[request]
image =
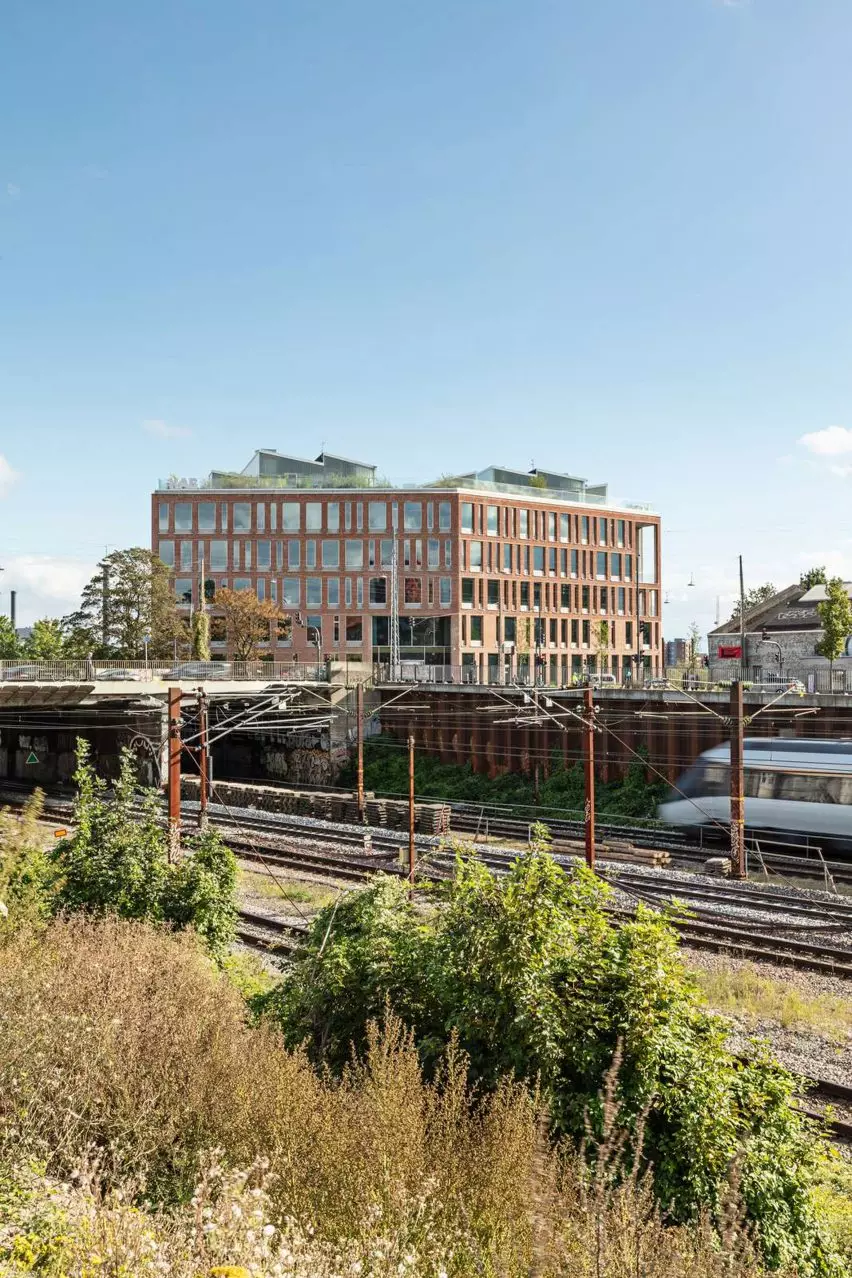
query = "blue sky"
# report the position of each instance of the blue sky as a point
(612, 237)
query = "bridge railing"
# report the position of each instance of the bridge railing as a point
(93, 671)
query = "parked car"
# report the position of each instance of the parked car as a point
(777, 684)
(199, 670)
(19, 674)
(122, 676)
(658, 683)
(601, 681)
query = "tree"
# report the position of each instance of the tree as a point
(247, 621)
(10, 644)
(129, 597)
(47, 641)
(600, 643)
(692, 644)
(835, 615)
(813, 577)
(754, 598)
(201, 636)
(535, 980)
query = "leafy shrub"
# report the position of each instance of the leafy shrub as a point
(539, 983)
(126, 1057)
(118, 861)
(24, 867)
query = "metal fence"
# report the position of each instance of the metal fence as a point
(91, 671)
(756, 680)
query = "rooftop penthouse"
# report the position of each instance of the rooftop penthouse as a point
(269, 469)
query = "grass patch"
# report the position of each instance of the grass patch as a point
(261, 884)
(742, 991)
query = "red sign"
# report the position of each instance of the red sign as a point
(730, 650)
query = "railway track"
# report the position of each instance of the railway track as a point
(337, 852)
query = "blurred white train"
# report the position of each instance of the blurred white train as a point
(795, 790)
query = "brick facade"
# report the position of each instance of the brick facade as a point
(483, 578)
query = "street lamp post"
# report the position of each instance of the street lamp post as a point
(774, 644)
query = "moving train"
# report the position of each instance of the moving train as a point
(795, 791)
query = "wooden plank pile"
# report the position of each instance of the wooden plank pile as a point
(616, 850)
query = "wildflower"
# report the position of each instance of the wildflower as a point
(268, 1231)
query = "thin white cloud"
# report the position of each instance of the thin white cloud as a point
(13, 190)
(164, 430)
(8, 476)
(834, 441)
(47, 585)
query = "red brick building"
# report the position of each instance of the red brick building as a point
(500, 568)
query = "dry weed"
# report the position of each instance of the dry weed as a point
(125, 1057)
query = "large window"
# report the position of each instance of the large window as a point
(354, 554)
(290, 593)
(413, 590)
(615, 567)
(446, 591)
(491, 520)
(475, 548)
(493, 594)
(467, 517)
(219, 556)
(377, 516)
(476, 630)
(564, 527)
(183, 516)
(584, 529)
(264, 555)
(378, 591)
(242, 516)
(332, 515)
(332, 587)
(294, 554)
(290, 517)
(354, 630)
(313, 516)
(600, 565)
(167, 553)
(433, 553)
(467, 591)
(186, 555)
(310, 553)
(313, 592)
(601, 532)
(183, 590)
(538, 561)
(575, 562)
(164, 517)
(242, 583)
(412, 515)
(551, 526)
(331, 554)
(207, 516)
(523, 523)
(445, 522)
(260, 516)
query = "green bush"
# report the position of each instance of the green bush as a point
(117, 861)
(386, 772)
(538, 982)
(24, 867)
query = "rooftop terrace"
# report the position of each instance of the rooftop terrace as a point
(269, 469)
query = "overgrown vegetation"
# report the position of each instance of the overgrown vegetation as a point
(538, 983)
(126, 1058)
(386, 772)
(116, 862)
(743, 991)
